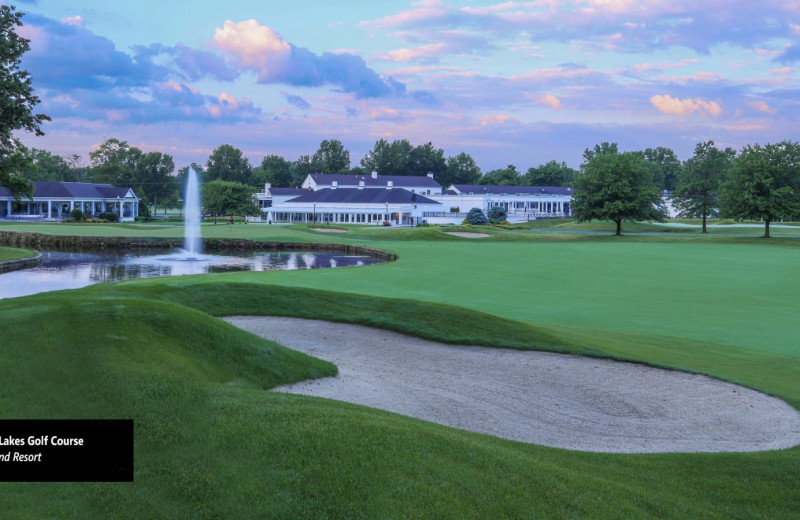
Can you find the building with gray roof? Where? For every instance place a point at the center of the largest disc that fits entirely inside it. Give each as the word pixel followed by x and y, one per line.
pixel 54 200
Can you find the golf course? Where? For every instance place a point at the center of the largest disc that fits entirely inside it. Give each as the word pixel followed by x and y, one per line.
pixel 212 442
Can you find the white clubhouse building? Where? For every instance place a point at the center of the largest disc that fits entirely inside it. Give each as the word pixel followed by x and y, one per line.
pixel 404 200
pixel 54 200
pixel 355 201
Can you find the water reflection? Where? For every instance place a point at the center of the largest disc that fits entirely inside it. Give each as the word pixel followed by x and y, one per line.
pixel 60 270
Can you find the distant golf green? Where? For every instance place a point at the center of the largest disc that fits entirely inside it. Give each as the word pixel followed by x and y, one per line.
pixel 212 443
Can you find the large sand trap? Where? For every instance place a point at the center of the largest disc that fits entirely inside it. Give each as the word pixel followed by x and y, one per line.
pixel 466 234
pixel 552 399
pixel 328 230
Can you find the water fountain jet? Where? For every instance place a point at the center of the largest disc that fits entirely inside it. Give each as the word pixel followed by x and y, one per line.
pixel 192 242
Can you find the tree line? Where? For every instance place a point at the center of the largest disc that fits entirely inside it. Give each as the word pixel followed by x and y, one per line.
pixel 759 182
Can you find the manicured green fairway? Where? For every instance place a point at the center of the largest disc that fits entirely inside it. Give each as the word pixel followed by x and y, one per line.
pixel 211 443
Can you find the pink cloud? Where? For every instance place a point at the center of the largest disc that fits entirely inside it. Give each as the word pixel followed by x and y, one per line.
pixel 634 24
pixel 546 100
pixel 77 21
pixel 680 107
pixel 425 51
pixel 496 119
pixel 761 106
pixel 255 45
pixel 385 114
pixel 698 77
pixel 558 73
pixel 420 11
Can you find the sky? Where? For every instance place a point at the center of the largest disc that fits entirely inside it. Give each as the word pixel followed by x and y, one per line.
pixel 518 83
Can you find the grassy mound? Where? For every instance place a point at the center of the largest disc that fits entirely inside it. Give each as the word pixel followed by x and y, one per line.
pixel 12 253
pixel 166 366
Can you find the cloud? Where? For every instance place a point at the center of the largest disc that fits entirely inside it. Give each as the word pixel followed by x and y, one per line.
pixel 194 64
pixel 629 25
pixel 256 46
pixel 546 100
pixel 790 55
pixel 228 105
pixel 69 56
pixel 697 77
pixel 297 101
pixel 425 51
pixel 385 114
pixel 432 45
pixel 680 107
pixel 261 49
pixel 761 106
pixel 77 21
pixel 496 119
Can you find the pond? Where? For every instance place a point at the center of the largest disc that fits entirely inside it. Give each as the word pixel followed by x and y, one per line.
pixel 61 270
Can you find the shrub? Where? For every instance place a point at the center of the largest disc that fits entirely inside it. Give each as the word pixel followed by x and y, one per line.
pixel 76 215
pixel 455 209
pixel 476 217
pixel 504 225
pixel 110 216
pixel 497 214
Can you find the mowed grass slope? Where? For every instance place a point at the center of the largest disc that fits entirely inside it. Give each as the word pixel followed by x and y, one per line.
pixel 212 443
pixel 11 253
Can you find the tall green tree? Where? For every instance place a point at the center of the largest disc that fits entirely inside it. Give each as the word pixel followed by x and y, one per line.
pixel 390 158
pixel 17 102
pixel 275 170
pixel 599 149
pixel 552 173
pixel 460 169
pixel 764 183
pixel 664 165
pixel 228 198
pixel 699 181
pixel 331 157
pixel 508 176
pixel 616 187
pixel 114 162
pixel 228 163
pixel 426 159
pixel 153 177
pixel 301 168
pixel 49 167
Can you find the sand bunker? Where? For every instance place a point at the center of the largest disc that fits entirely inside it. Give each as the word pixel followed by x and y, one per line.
pixel 328 230
pixel 464 234
pixel 557 400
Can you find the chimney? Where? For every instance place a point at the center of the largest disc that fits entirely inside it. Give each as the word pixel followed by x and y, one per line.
pixel 430 175
pixel 267 186
pixel 334 185
pixel 361 184
pixel 389 185
pixel 374 175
